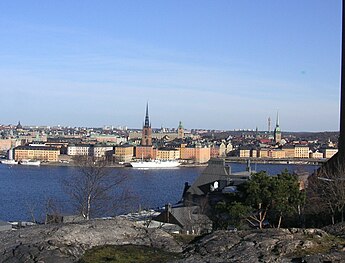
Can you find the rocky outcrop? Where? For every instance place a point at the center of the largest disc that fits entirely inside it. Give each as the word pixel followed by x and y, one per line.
pixel 67 242
pixel 336 230
pixel 269 245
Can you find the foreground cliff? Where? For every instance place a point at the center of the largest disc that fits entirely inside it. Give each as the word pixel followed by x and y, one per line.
pixel 67 243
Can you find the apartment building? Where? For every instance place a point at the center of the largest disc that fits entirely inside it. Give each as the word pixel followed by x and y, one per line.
pixel 168 154
pixel 41 153
pixel 79 149
pixel 124 153
pixel 197 153
pixel 301 151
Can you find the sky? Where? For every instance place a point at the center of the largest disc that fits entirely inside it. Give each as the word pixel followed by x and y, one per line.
pixel 224 64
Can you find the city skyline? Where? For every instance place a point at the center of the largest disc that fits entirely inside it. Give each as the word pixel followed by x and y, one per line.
pixel 216 65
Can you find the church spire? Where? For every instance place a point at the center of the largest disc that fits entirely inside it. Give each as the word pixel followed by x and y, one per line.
pixel 147 119
pixel 277 131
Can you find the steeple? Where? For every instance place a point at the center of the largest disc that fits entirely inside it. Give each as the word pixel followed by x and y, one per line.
pixel 147 119
pixel 180 125
pixel 19 126
pixel 180 131
pixel 277 131
pixel 146 139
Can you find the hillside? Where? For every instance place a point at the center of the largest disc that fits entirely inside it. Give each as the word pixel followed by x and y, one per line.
pixel 68 242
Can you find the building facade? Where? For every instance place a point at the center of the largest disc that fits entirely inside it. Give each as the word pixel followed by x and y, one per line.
pixel 145 152
pixel 41 153
pixel 79 149
pixel 301 151
pixel 124 153
pixel 168 154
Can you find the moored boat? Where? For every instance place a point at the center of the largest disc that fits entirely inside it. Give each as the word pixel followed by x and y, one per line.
pixel 30 162
pixel 155 164
pixel 9 162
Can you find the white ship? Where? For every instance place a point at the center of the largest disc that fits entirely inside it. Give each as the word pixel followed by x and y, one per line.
pixel 9 162
pixel 29 162
pixel 155 164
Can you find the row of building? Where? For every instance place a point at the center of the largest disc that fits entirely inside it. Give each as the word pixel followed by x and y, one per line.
pixel 174 145
pixel 122 153
pixel 198 153
pixel 295 151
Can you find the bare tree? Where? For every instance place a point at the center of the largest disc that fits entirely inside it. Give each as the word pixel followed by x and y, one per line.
pixel 327 189
pixel 92 188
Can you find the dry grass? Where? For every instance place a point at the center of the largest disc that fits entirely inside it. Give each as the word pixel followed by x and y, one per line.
pixel 127 254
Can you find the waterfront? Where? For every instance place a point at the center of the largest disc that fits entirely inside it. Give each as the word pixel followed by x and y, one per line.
pixel 24 189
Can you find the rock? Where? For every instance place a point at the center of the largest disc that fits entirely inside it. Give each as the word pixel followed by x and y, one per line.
pixel 336 230
pixel 67 242
pixel 268 245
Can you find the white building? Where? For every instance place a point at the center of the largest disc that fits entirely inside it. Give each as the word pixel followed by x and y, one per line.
pixel 101 150
pixel 81 149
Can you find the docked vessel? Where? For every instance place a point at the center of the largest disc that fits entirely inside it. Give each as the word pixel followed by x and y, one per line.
pixel 30 162
pixel 155 164
pixel 9 162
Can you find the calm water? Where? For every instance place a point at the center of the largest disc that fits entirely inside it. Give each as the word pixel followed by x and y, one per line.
pixel 24 188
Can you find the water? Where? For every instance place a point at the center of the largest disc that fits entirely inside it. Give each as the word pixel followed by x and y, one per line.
pixel 24 189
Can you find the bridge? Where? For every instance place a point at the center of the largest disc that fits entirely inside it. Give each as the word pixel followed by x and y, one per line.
pixel 309 161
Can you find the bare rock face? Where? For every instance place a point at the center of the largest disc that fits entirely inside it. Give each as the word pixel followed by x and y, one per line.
pixel 269 245
pixel 337 229
pixel 67 242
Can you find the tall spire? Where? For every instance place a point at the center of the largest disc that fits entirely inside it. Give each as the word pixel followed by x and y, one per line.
pixel 147 119
pixel 277 131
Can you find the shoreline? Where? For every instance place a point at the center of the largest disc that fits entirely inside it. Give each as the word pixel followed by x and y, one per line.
pixel 117 165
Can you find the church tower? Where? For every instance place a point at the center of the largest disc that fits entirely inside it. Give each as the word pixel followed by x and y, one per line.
pixel 277 131
pixel 146 139
pixel 180 131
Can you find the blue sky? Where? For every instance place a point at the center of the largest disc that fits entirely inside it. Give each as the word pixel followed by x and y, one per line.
pixel 211 64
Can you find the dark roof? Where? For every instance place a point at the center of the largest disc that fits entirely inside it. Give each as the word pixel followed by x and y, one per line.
pixel 46 148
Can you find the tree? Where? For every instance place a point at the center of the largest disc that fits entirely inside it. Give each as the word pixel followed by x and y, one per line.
pixel 92 187
pixel 279 193
pixel 259 195
pixel 287 197
pixel 326 189
pixel 233 214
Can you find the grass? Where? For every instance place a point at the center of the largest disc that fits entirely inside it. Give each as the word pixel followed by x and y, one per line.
pixel 321 245
pixel 127 254
pixel 184 239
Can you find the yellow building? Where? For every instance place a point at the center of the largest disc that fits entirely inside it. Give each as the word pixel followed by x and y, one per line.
pixel 301 151
pixel 245 153
pixel 289 151
pixel 168 154
pixel 41 153
pixel 124 153
pixel 198 153
pixel 328 153
pixel 263 153
pixel 277 153
pixel 316 155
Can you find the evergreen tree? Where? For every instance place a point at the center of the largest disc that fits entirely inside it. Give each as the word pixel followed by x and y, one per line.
pixel 287 197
